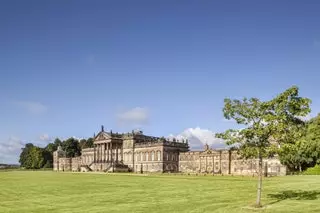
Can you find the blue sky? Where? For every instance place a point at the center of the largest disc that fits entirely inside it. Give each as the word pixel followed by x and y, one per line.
pixel 69 66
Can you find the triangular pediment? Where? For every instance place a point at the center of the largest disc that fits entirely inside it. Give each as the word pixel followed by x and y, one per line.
pixel 102 136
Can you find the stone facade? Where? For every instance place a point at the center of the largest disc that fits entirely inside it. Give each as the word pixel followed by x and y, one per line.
pixel 226 162
pixel 140 153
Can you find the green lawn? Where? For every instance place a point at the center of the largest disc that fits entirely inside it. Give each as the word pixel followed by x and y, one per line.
pixel 84 192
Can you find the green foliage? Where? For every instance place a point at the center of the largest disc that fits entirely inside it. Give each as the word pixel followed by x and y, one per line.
pixel 33 157
pixel 312 171
pixel 25 156
pixel 266 124
pixel 72 147
pixel 306 151
pixel 86 143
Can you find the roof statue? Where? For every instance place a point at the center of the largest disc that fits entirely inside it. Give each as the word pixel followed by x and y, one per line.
pixel 206 147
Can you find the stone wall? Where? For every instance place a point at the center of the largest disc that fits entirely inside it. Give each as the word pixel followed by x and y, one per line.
pixel 65 164
pixel 148 158
pixel 226 162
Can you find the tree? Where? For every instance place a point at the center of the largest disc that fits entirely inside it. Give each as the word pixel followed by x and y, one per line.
pixel 306 151
pixel 37 158
pixel 89 143
pixel 84 144
pixel 265 124
pixel 312 140
pixel 24 159
pixel 72 147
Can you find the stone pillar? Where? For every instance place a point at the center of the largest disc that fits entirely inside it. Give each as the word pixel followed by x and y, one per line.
pixel 206 164
pixel 121 152
pixel 100 150
pixel 97 149
pixel 111 152
pixel 94 153
pixel 104 152
pixel 107 151
pixel 117 152
pixel 213 164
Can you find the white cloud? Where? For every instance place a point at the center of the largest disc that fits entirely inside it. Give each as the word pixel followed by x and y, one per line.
pixel 10 149
pixel 198 137
pixel 32 107
pixel 137 116
pixel 45 137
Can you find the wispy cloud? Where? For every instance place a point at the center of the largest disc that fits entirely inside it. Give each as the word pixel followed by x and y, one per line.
pixel 10 149
pixel 133 117
pixel 45 137
pixel 32 107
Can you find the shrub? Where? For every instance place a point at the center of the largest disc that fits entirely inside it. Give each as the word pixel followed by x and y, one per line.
pixel 313 170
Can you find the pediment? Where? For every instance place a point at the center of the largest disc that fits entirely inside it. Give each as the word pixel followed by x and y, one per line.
pixel 102 136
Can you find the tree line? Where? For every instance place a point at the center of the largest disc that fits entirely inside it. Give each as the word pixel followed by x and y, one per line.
pixel 305 151
pixel 35 157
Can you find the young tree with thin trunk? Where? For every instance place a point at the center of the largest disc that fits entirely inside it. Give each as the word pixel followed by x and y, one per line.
pixel 264 125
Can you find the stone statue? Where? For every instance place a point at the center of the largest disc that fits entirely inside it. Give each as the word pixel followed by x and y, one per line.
pixel 206 147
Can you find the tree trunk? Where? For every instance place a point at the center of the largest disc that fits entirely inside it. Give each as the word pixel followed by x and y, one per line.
pixel 300 169
pixel 258 202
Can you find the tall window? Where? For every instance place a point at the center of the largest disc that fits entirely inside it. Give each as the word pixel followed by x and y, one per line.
pixel 152 155
pixel 147 156
pixel 159 156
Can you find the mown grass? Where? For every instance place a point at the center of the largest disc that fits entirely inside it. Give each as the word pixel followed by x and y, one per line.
pixel 22 191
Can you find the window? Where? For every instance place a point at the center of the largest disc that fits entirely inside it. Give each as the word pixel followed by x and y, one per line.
pixel 152 156
pixel 159 156
pixel 147 156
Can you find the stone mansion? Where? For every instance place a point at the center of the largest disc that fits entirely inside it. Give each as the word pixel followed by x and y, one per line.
pixel 136 152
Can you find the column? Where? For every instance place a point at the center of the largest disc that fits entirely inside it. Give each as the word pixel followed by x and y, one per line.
pixel 107 147
pixel 111 152
pixel 94 153
pixel 100 150
pixel 206 163
pixel 121 152
pixel 117 152
pixel 104 152
pixel 97 149
pixel 212 163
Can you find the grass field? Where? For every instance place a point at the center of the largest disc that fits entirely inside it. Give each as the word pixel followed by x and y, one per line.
pixel 22 191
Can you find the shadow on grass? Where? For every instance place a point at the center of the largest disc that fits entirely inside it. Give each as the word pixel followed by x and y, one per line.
pixel 294 195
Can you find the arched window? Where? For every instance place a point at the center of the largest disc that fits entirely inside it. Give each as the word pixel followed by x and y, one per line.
pixel 147 156
pixel 152 155
pixel 140 156
pixel 136 154
pixel 159 155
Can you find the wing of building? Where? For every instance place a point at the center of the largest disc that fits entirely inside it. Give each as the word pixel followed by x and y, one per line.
pixel 136 152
